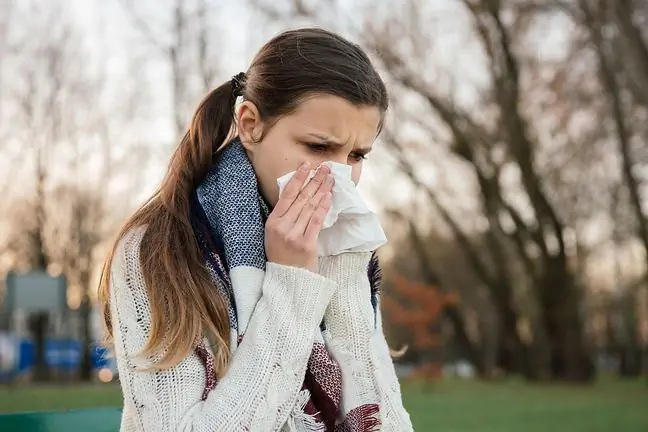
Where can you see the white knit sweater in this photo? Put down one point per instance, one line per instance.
(278, 339)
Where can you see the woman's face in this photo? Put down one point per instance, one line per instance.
(323, 128)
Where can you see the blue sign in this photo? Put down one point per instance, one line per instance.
(26, 355)
(63, 354)
(99, 357)
(60, 354)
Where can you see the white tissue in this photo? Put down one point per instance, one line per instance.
(349, 226)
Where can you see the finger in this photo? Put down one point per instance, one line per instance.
(317, 219)
(292, 189)
(318, 179)
(306, 194)
(299, 227)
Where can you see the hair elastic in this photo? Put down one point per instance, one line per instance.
(238, 83)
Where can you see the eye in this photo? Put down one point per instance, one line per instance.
(358, 157)
(318, 148)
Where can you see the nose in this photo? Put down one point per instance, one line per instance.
(336, 158)
(339, 158)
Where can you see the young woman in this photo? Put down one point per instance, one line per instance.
(222, 315)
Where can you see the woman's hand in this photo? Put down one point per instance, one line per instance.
(292, 228)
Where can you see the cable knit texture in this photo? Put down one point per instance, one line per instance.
(368, 373)
(261, 387)
(266, 372)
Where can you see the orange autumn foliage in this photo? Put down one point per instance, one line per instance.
(422, 305)
(417, 307)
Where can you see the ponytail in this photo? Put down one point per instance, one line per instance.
(212, 126)
(179, 288)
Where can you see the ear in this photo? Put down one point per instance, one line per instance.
(250, 126)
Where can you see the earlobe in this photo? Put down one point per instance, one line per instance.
(249, 124)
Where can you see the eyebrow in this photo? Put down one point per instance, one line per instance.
(326, 140)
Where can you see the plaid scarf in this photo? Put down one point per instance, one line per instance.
(228, 214)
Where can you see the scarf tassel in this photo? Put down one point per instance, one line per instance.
(364, 418)
(302, 421)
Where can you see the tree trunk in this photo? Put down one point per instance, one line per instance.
(85, 372)
(38, 328)
(468, 348)
(570, 359)
(512, 352)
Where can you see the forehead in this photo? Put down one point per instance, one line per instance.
(336, 118)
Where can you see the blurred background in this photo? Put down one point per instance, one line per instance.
(512, 179)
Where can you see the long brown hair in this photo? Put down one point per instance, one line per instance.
(184, 304)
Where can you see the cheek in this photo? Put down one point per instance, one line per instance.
(276, 157)
(356, 172)
(271, 160)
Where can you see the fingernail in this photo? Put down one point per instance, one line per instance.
(304, 166)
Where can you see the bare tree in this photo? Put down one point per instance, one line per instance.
(523, 245)
(189, 47)
(69, 136)
(539, 243)
(618, 17)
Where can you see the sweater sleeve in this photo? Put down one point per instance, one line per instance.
(359, 345)
(265, 373)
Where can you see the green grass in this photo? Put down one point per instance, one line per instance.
(517, 407)
(450, 406)
(58, 397)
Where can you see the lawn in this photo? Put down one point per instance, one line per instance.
(450, 406)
